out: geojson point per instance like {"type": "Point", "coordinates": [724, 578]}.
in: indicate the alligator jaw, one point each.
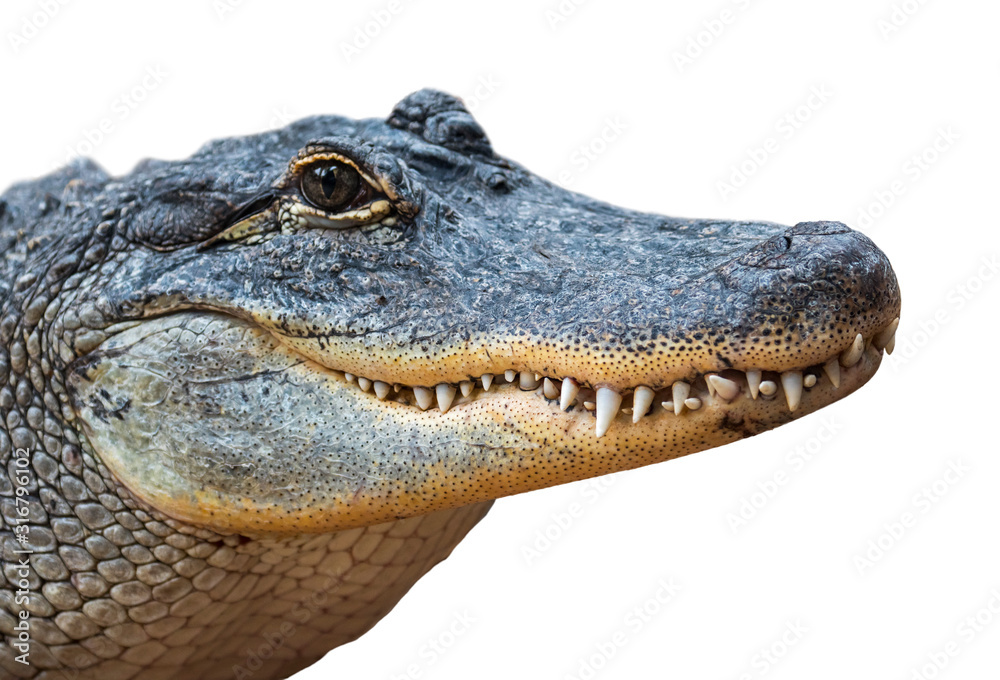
{"type": "Point", "coordinates": [826, 381]}
{"type": "Point", "coordinates": [213, 421]}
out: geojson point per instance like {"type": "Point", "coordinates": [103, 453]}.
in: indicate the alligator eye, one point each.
{"type": "Point", "coordinates": [334, 186]}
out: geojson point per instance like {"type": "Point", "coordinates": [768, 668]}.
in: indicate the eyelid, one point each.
{"type": "Point", "coordinates": [374, 211]}
{"type": "Point", "coordinates": [298, 165]}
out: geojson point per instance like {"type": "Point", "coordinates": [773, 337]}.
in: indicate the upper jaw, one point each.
{"type": "Point", "coordinates": [781, 393]}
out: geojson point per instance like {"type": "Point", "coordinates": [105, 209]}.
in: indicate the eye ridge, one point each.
{"type": "Point", "coordinates": [334, 186]}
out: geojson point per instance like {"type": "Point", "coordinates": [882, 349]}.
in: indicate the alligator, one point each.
{"type": "Point", "coordinates": [250, 397]}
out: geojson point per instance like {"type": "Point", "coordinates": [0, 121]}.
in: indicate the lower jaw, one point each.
{"type": "Point", "coordinates": [340, 458]}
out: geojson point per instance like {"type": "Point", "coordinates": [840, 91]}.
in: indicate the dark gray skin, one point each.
{"type": "Point", "coordinates": [177, 360]}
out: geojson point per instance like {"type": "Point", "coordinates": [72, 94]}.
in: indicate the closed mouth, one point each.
{"type": "Point", "coordinates": [606, 404]}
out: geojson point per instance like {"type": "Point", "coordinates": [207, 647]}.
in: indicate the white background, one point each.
{"type": "Point", "coordinates": [542, 88]}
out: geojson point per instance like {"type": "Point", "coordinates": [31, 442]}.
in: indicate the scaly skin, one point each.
{"type": "Point", "coordinates": [246, 403]}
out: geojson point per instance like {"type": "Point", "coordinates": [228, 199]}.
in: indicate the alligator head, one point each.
{"type": "Point", "coordinates": [347, 322]}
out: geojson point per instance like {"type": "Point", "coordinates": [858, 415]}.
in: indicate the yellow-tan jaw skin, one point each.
{"type": "Point", "coordinates": [215, 421]}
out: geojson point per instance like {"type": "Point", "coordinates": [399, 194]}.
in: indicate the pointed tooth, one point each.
{"type": "Point", "coordinates": [381, 389]}
{"type": "Point", "coordinates": [466, 387]}
{"type": "Point", "coordinates": [809, 380]}
{"type": "Point", "coordinates": [791, 381]}
{"type": "Point", "coordinates": [852, 354]}
{"type": "Point", "coordinates": [510, 374]}
{"type": "Point", "coordinates": [668, 405]}
{"type": "Point", "coordinates": [641, 401]}
{"type": "Point", "coordinates": [569, 391]}
{"type": "Point", "coordinates": [538, 376]}
{"type": "Point", "coordinates": [753, 380]}
{"type": "Point", "coordinates": [425, 398]}
{"type": "Point", "coordinates": [768, 388]}
{"type": "Point", "coordinates": [365, 384]}
{"type": "Point", "coordinates": [445, 396]}
{"type": "Point", "coordinates": [681, 390]}
{"type": "Point", "coordinates": [832, 369]}
{"type": "Point", "coordinates": [397, 388]}
{"type": "Point", "coordinates": [528, 381]}
{"type": "Point", "coordinates": [608, 403]}
{"type": "Point", "coordinates": [349, 377]}
{"type": "Point", "coordinates": [549, 389]}
{"type": "Point", "coordinates": [887, 338]}
{"type": "Point", "coordinates": [709, 385]}
{"type": "Point", "coordinates": [693, 403]}
{"type": "Point", "coordinates": [589, 405]}
{"type": "Point", "coordinates": [726, 388]}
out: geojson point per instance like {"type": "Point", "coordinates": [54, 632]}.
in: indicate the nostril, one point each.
{"type": "Point", "coordinates": [824, 228]}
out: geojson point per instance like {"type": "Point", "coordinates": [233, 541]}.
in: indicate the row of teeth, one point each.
{"type": "Point", "coordinates": [680, 398]}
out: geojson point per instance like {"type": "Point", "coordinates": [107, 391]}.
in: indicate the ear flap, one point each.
{"type": "Point", "coordinates": [176, 210]}
{"type": "Point", "coordinates": [441, 119]}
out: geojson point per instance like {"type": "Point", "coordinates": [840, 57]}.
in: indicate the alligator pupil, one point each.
{"type": "Point", "coordinates": [331, 185]}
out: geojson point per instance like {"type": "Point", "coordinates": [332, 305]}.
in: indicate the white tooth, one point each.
{"type": "Point", "coordinates": [809, 380]}
{"type": "Point", "coordinates": [753, 380]}
{"type": "Point", "coordinates": [510, 374]}
{"type": "Point", "coordinates": [887, 339]}
{"type": "Point", "coordinates": [668, 405]}
{"type": "Point", "coordinates": [397, 388]}
{"type": "Point", "coordinates": [381, 389]}
{"type": "Point", "coordinates": [681, 390]}
{"type": "Point", "coordinates": [852, 354]}
{"type": "Point", "coordinates": [466, 387]}
{"type": "Point", "coordinates": [425, 398]}
{"type": "Point", "coordinates": [727, 389]}
{"type": "Point", "coordinates": [693, 403]}
{"type": "Point", "coordinates": [708, 383]}
{"type": "Point", "coordinates": [549, 389]}
{"type": "Point", "coordinates": [589, 405]}
{"type": "Point", "coordinates": [608, 403]}
{"type": "Point", "coordinates": [445, 396]}
{"type": "Point", "coordinates": [792, 382]}
{"type": "Point", "coordinates": [569, 391]}
{"type": "Point", "coordinates": [528, 381]}
{"type": "Point", "coordinates": [768, 387]}
{"type": "Point", "coordinates": [487, 379]}
{"type": "Point", "coordinates": [349, 377]}
{"type": "Point", "coordinates": [641, 401]}
{"type": "Point", "coordinates": [365, 384]}
{"type": "Point", "coordinates": [538, 376]}
{"type": "Point", "coordinates": [832, 369]}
